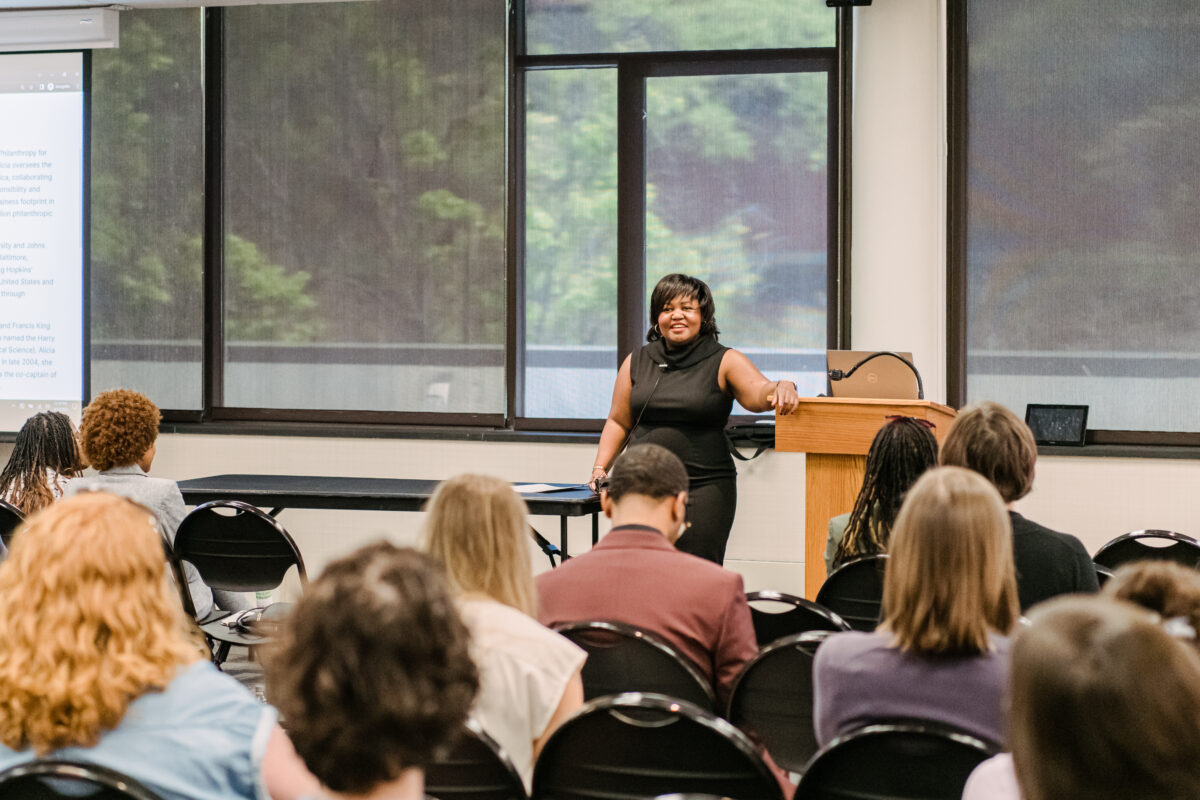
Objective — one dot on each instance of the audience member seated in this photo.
(118, 434)
(950, 601)
(635, 575)
(99, 664)
(44, 457)
(1168, 589)
(996, 443)
(529, 676)
(900, 453)
(373, 674)
(1105, 705)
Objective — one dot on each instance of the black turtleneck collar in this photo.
(687, 355)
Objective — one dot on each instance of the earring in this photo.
(656, 330)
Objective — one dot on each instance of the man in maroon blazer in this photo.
(636, 576)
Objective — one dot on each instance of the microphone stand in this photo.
(837, 374)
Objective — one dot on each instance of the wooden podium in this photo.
(836, 433)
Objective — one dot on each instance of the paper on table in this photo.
(535, 488)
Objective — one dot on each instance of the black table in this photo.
(278, 492)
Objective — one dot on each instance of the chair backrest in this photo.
(236, 547)
(475, 768)
(855, 591)
(909, 761)
(624, 658)
(772, 699)
(776, 615)
(645, 745)
(1149, 545)
(10, 519)
(54, 779)
(1103, 573)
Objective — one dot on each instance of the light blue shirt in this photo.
(202, 738)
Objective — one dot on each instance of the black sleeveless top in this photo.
(685, 409)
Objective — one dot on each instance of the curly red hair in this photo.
(117, 429)
(89, 624)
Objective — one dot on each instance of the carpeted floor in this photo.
(249, 673)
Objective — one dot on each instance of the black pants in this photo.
(710, 510)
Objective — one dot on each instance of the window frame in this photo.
(633, 70)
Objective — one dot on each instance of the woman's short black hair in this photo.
(675, 285)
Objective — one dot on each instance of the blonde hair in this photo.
(950, 580)
(89, 622)
(477, 527)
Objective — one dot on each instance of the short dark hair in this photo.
(373, 674)
(996, 443)
(118, 428)
(649, 470)
(674, 285)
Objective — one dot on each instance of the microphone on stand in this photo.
(837, 374)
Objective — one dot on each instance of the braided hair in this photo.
(902, 450)
(46, 449)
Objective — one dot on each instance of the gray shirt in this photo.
(162, 497)
(837, 530)
(859, 678)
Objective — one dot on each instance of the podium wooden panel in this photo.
(836, 433)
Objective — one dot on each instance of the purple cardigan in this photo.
(859, 678)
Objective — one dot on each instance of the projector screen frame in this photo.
(85, 217)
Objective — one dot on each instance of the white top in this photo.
(524, 669)
(994, 779)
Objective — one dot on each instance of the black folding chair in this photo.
(907, 761)
(1102, 574)
(1149, 545)
(55, 779)
(645, 745)
(10, 519)
(772, 699)
(776, 615)
(239, 548)
(624, 658)
(475, 768)
(855, 591)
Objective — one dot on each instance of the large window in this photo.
(674, 137)
(1080, 197)
(364, 215)
(147, 209)
(453, 212)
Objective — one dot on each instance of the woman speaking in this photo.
(677, 392)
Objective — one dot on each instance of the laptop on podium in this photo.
(883, 377)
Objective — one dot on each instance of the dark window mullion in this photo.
(840, 218)
(514, 229)
(631, 209)
(214, 206)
